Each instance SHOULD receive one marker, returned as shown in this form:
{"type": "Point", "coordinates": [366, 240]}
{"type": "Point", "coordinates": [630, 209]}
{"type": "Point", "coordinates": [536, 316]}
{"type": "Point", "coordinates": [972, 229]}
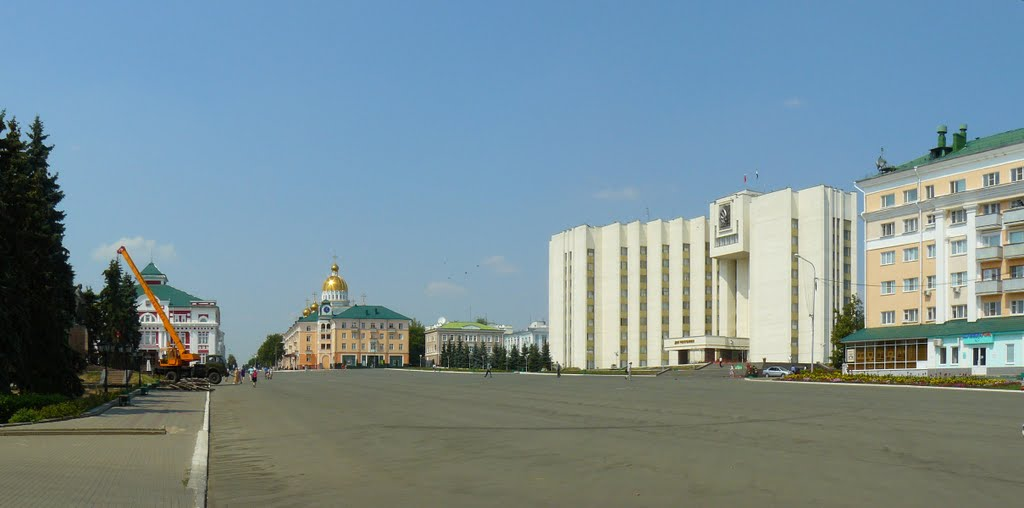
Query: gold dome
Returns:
{"type": "Point", "coordinates": [312, 308]}
{"type": "Point", "coordinates": [335, 282]}
{"type": "Point", "coordinates": [305, 312]}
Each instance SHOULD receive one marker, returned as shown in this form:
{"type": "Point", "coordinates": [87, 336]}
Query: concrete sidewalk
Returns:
{"type": "Point", "coordinates": [121, 468]}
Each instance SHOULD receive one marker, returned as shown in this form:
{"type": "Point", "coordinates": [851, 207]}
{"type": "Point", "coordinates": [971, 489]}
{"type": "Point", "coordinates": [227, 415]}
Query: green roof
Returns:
{"type": "Point", "coordinates": [151, 269]}
{"type": "Point", "coordinates": [175, 296]}
{"type": "Point", "coordinates": [949, 328]}
{"type": "Point", "coordinates": [369, 312]}
{"type": "Point", "coordinates": [468, 324]}
{"type": "Point", "coordinates": [972, 147]}
{"type": "Point", "coordinates": [313, 316]}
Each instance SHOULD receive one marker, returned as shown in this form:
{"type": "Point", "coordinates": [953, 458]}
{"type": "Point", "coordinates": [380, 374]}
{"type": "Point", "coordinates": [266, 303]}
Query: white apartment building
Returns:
{"type": "Point", "coordinates": [536, 333]}
{"type": "Point", "coordinates": [688, 291]}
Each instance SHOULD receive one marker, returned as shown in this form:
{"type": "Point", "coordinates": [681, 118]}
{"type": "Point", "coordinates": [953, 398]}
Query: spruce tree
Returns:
{"type": "Point", "coordinates": [545, 356]}
{"type": "Point", "coordinates": [499, 356]}
{"type": "Point", "coordinates": [120, 314]}
{"type": "Point", "coordinates": [535, 359]}
{"type": "Point", "coordinates": [513, 358]}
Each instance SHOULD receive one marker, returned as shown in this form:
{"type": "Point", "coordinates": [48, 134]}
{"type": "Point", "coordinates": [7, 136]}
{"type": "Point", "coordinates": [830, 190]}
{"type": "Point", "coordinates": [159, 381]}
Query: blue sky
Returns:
{"type": "Point", "coordinates": [436, 146]}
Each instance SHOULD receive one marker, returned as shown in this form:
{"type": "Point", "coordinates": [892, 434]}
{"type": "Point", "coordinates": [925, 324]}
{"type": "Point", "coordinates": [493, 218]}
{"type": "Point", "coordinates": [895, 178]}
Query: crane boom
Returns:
{"type": "Point", "coordinates": [178, 354]}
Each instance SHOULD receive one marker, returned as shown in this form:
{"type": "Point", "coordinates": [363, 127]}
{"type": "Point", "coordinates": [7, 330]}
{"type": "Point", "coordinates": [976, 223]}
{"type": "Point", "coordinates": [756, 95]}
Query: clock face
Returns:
{"type": "Point", "coordinates": [325, 309]}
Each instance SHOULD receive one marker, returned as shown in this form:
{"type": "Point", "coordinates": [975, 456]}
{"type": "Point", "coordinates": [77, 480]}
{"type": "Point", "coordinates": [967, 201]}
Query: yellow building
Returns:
{"type": "Point", "coordinates": [944, 260]}
{"type": "Point", "coordinates": [334, 333]}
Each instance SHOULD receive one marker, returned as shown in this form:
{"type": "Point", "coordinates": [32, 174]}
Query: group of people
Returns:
{"type": "Point", "coordinates": [253, 374]}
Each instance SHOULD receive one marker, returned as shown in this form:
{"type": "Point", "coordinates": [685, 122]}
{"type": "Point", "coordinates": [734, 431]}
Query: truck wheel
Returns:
{"type": "Point", "coordinates": [171, 376]}
{"type": "Point", "coordinates": [214, 378]}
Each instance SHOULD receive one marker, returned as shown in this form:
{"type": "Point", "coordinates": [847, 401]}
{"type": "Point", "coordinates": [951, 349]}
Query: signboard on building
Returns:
{"type": "Point", "coordinates": [851, 355]}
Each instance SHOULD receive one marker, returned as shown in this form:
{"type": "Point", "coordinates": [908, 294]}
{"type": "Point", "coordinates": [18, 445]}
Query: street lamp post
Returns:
{"type": "Point", "coordinates": [526, 367]}
{"type": "Point", "coordinates": [814, 299]}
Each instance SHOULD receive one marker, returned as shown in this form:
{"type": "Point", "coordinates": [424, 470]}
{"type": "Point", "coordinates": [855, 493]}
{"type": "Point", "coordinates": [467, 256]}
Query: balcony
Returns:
{"type": "Point", "coordinates": [987, 253]}
{"type": "Point", "coordinates": [1014, 215]}
{"type": "Point", "coordinates": [1013, 285]}
{"type": "Point", "coordinates": [1013, 250]}
{"type": "Point", "coordinates": [990, 221]}
{"type": "Point", "coordinates": [987, 287]}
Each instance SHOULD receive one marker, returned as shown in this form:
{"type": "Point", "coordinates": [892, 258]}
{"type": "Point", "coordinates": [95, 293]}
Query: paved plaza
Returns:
{"type": "Point", "coordinates": [406, 438]}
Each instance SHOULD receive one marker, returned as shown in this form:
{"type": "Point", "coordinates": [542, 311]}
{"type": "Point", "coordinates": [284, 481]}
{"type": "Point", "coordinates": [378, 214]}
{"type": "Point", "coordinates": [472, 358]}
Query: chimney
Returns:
{"type": "Point", "coordinates": [940, 149]}
{"type": "Point", "coordinates": [960, 138]}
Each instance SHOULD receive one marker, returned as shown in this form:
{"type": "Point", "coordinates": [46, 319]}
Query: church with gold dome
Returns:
{"type": "Point", "coordinates": [335, 333]}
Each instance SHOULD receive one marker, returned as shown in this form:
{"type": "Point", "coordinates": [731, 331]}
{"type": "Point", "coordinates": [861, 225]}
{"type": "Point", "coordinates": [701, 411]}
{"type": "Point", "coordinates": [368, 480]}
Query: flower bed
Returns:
{"type": "Point", "coordinates": [947, 381]}
{"type": "Point", "coordinates": [11, 404]}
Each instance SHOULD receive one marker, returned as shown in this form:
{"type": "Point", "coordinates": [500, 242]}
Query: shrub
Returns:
{"type": "Point", "coordinates": [11, 404]}
{"type": "Point", "coordinates": [65, 409]}
{"type": "Point", "coordinates": [949, 381]}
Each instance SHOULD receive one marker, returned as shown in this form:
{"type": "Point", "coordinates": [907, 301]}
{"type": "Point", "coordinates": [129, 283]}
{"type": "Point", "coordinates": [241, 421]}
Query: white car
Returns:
{"type": "Point", "coordinates": [775, 372]}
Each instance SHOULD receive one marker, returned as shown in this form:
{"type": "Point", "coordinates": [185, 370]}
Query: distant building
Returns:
{"type": "Point", "coordinates": [944, 260]}
{"type": "Point", "coordinates": [536, 333]}
{"type": "Point", "coordinates": [695, 290]}
{"type": "Point", "coordinates": [196, 320]}
{"type": "Point", "coordinates": [335, 332]}
{"type": "Point", "coordinates": [471, 334]}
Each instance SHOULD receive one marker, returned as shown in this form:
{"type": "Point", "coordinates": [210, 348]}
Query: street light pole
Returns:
{"type": "Point", "coordinates": [814, 299]}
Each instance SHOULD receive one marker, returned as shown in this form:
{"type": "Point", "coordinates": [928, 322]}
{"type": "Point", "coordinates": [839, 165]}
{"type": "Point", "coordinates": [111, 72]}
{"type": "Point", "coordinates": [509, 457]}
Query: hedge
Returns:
{"type": "Point", "coordinates": [11, 404]}
{"type": "Point", "coordinates": [65, 409]}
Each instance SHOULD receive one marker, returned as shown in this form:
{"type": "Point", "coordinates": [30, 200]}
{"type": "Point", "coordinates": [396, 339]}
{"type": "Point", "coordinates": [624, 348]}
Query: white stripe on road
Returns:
{"type": "Point", "coordinates": [197, 477]}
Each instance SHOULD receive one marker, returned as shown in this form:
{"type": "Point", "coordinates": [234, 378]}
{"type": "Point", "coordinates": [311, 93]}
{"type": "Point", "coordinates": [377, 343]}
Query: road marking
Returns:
{"type": "Point", "coordinates": [198, 475]}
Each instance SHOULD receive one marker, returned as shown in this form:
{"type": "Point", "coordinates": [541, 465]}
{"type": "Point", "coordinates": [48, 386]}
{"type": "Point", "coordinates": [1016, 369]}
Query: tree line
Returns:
{"type": "Point", "coordinates": [475, 356]}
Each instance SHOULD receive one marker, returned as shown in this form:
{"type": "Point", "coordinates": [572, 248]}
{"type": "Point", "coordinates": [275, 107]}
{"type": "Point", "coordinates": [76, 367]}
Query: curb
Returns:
{"type": "Point", "coordinates": [612, 376]}
{"type": "Point", "coordinates": [199, 474]}
{"type": "Point", "coordinates": [84, 432]}
{"type": "Point", "coordinates": [98, 410]}
{"type": "Point", "coordinates": [873, 385]}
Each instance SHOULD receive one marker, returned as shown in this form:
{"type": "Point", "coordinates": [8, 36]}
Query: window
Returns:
{"type": "Point", "coordinates": [1017, 271]}
{"type": "Point", "coordinates": [930, 250]}
{"type": "Point", "coordinates": [910, 196]}
{"type": "Point", "coordinates": [954, 356]}
{"type": "Point", "coordinates": [990, 274]}
{"type": "Point", "coordinates": [204, 338]}
{"type": "Point", "coordinates": [990, 308]}
{"type": "Point", "coordinates": [888, 200]}
{"type": "Point", "coordinates": [990, 240]}
{"type": "Point", "coordinates": [888, 229]}
{"type": "Point", "coordinates": [958, 312]}
{"type": "Point", "coordinates": [909, 225]}
{"type": "Point", "coordinates": [888, 317]}
{"type": "Point", "coordinates": [1017, 307]}
{"type": "Point", "coordinates": [888, 257]}
{"type": "Point", "coordinates": [1017, 174]}
{"type": "Point", "coordinates": [957, 247]}
{"type": "Point", "coordinates": [929, 220]}
{"type": "Point", "coordinates": [1010, 354]}
{"type": "Point", "coordinates": [888, 287]}
{"type": "Point", "coordinates": [1016, 237]}
{"type": "Point", "coordinates": [910, 254]}
{"type": "Point", "coordinates": [623, 251]}
{"type": "Point", "coordinates": [909, 315]}
{"type": "Point", "coordinates": [990, 179]}
{"type": "Point", "coordinates": [958, 217]}
{"type": "Point", "coordinates": [957, 186]}
{"type": "Point", "coordinates": [931, 314]}
{"type": "Point", "coordinates": [958, 279]}
{"type": "Point", "coordinates": [930, 282]}
{"type": "Point", "coordinates": [990, 208]}
{"type": "Point", "coordinates": [910, 284]}
{"type": "Point", "coordinates": [942, 355]}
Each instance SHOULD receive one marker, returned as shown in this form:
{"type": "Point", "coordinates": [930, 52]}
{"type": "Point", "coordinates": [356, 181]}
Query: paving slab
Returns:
{"type": "Point", "coordinates": [126, 469]}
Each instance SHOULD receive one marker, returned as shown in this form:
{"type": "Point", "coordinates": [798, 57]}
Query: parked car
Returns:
{"type": "Point", "coordinates": [775, 372]}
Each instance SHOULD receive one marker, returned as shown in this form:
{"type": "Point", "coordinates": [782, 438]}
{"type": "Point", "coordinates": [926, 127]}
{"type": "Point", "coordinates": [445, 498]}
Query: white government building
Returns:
{"type": "Point", "coordinates": [694, 290]}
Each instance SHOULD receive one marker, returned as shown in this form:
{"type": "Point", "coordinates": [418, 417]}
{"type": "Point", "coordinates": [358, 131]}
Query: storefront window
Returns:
{"type": "Point", "coordinates": [903, 354]}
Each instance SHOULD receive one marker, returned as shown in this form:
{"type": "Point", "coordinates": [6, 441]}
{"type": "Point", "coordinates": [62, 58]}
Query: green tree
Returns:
{"type": "Point", "coordinates": [232, 363]}
{"type": "Point", "coordinates": [499, 356]}
{"type": "Point", "coordinates": [271, 351]}
{"type": "Point", "coordinates": [846, 322]}
{"type": "Point", "coordinates": [37, 299]}
{"type": "Point", "coordinates": [92, 320]}
{"type": "Point", "coordinates": [119, 313]}
{"type": "Point", "coordinates": [417, 341]}
{"type": "Point", "coordinates": [514, 359]}
{"type": "Point", "coordinates": [461, 355]}
{"type": "Point", "coordinates": [534, 358]}
{"type": "Point", "coordinates": [545, 356]}
{"type": "Point", "coordinates": [482, 320]}
{"type": "Point", "coordinates": [480, 355]}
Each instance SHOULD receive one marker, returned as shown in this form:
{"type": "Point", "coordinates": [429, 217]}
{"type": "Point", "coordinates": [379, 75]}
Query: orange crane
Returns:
{"type": "Point", "coordinates": [177, 361]}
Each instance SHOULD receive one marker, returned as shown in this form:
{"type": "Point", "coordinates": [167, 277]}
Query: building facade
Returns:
{"type": "Point", "coordinates": [471, 334]}
{"type": "Point", "coordinates": [944, 260]}
{"type": "Point", "coordinates": [689, 291]}
{"type": "Point", "coordinates": [335, 333]}
{"type": "Point", "coordinates": [196, 320]}
{"type": "Point", "coordinates": [535, 334]}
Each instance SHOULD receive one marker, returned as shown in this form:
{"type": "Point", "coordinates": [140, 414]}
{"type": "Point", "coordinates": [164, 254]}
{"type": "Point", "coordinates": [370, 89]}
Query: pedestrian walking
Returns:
{"type": "Point", "coordinates": [488, 373]}
{"type": "Point", "coordinates": [558, 369]}
{"type": "Point", "coordinates": [629, 371]}
{"type": "Point", "coordinates": [254, 375]}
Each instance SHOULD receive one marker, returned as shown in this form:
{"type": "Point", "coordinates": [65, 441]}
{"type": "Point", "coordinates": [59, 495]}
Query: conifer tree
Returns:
{"type": "Point", "coordinates": [499, 356]}
{"type": "Point", "coordinates": [118, 310]}
{"type": "Point", "coordinates": [545, 356]}
{"type": "Point", "coordinates": [513, 358]}
{"type": "Point", "coordinates": [535, 360]}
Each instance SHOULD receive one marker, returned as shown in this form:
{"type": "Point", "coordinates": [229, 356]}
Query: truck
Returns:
{"type": "Point", "coordinates": [176, 361]}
